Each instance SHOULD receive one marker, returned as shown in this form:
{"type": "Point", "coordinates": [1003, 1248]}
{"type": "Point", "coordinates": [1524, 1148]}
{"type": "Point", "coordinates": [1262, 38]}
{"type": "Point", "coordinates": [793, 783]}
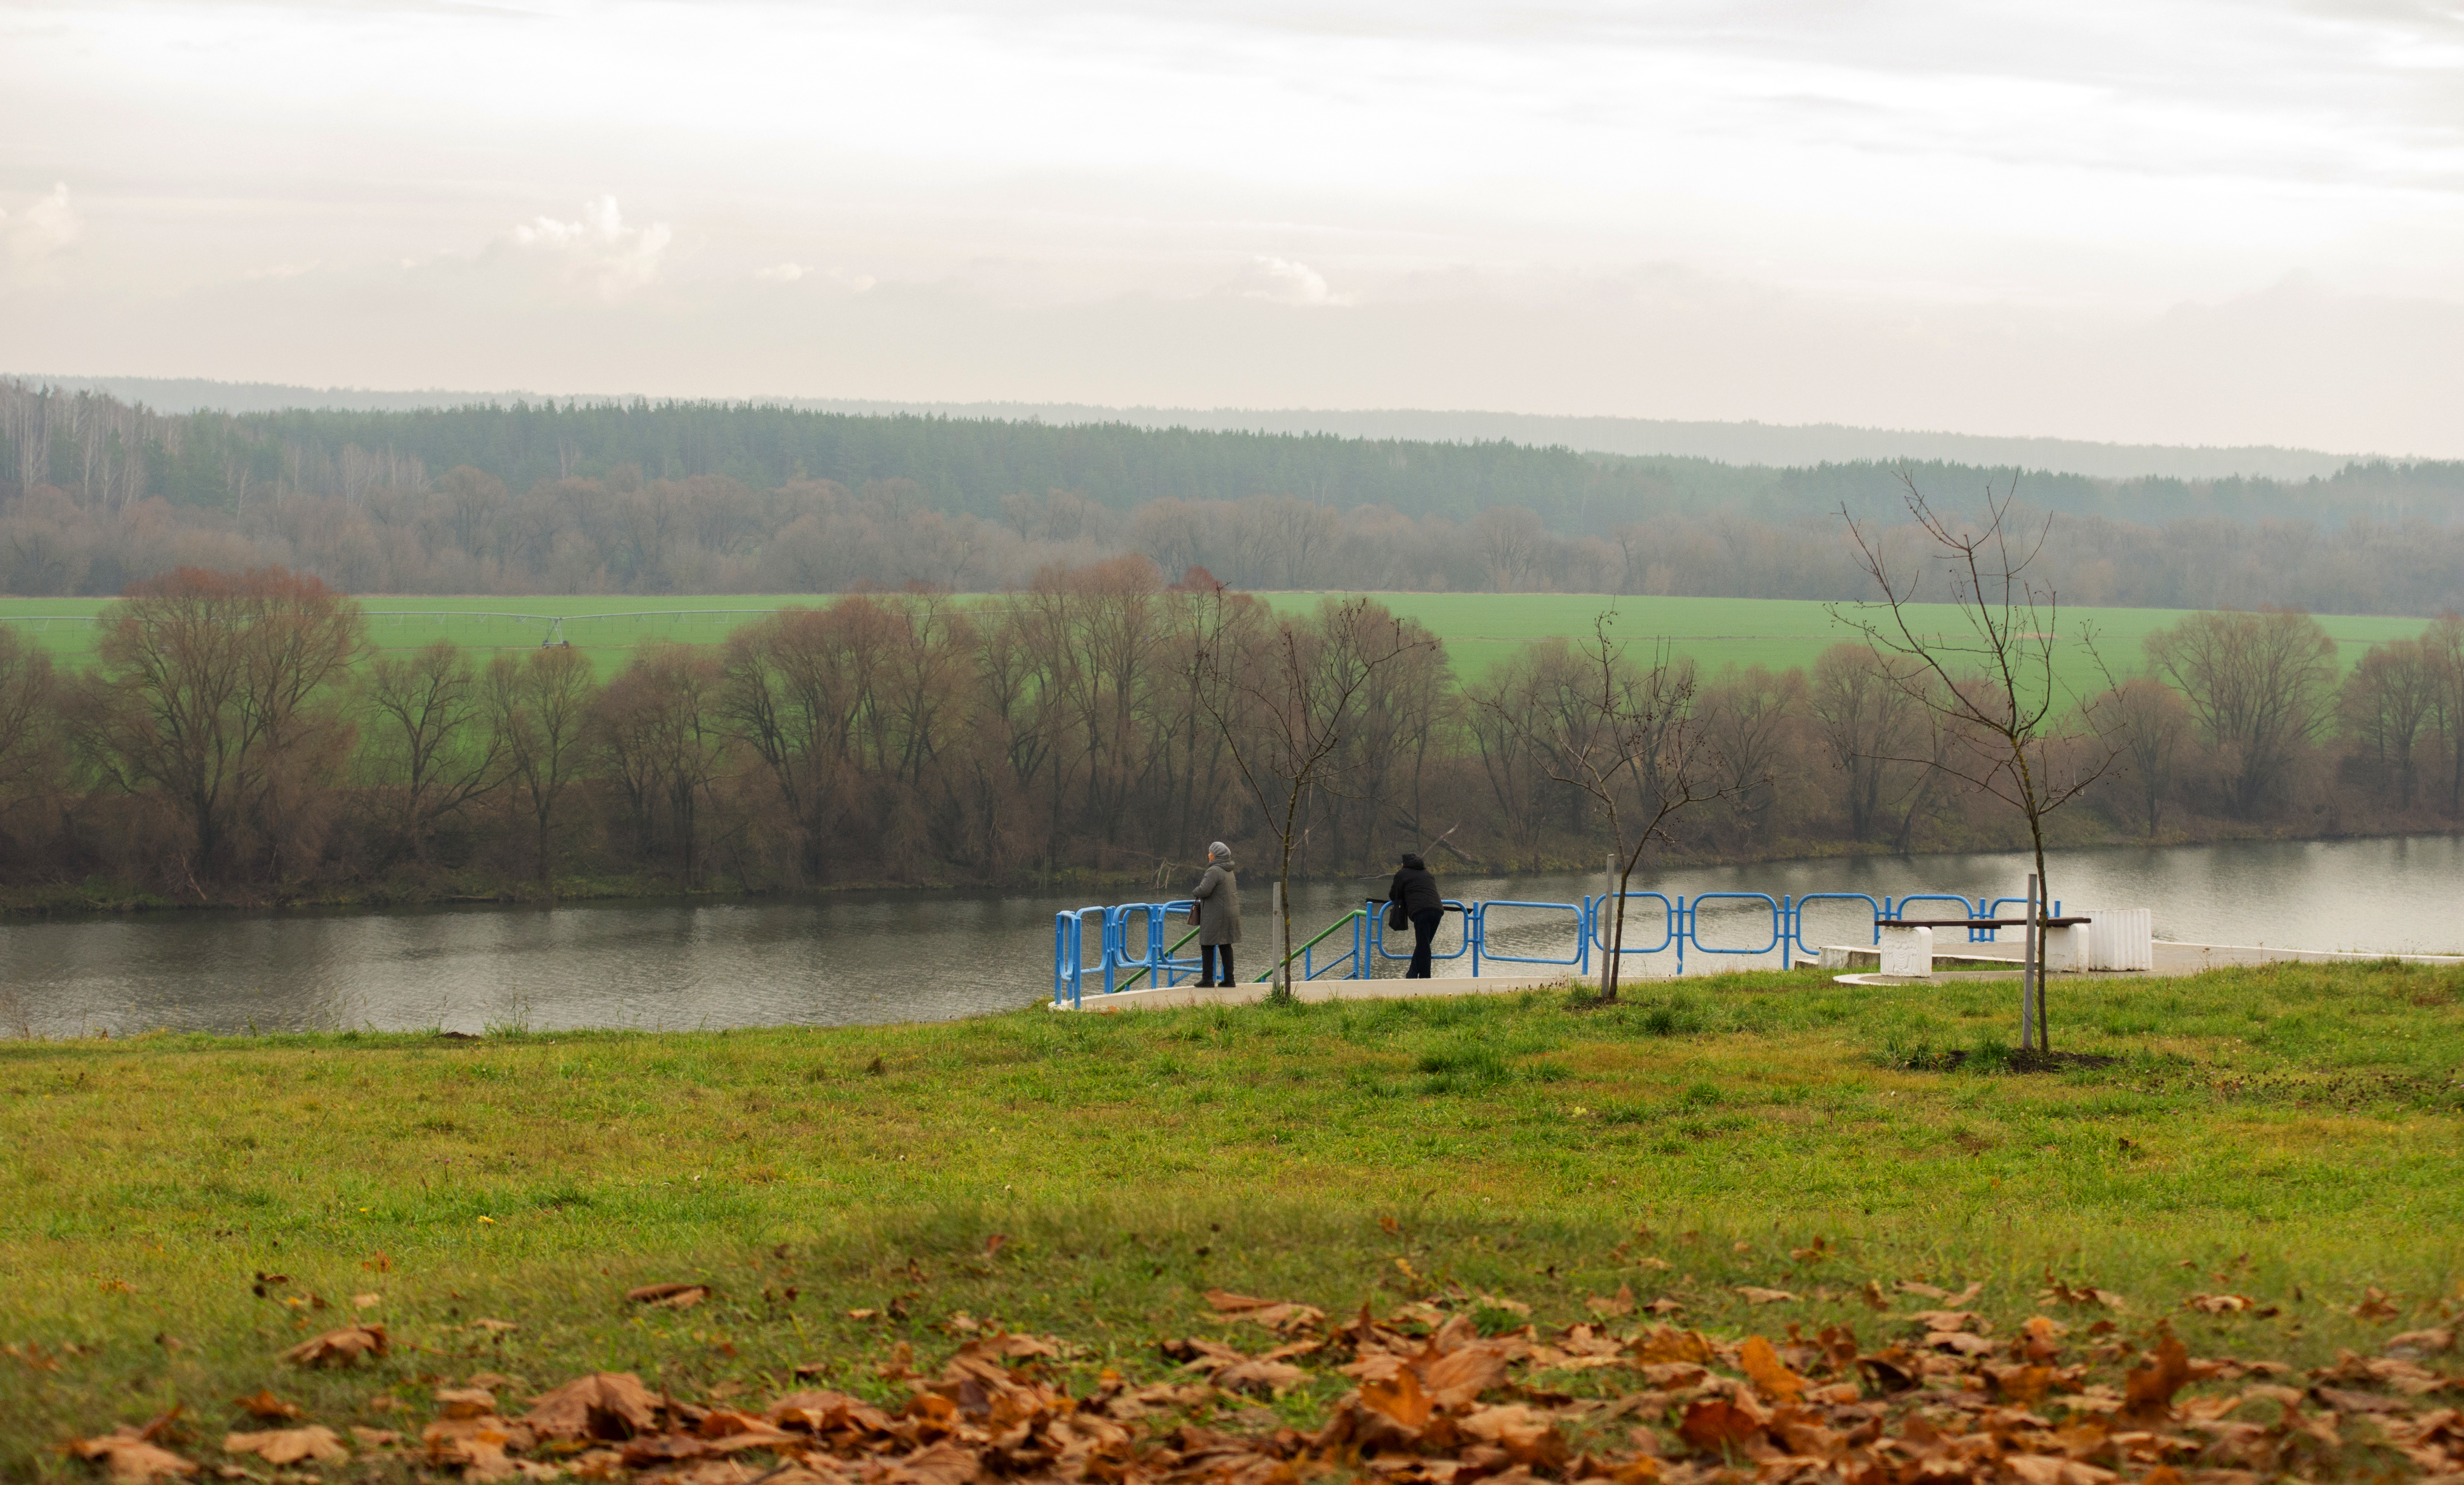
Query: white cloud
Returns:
{"type": "Point", "coordinates": [781, 272]}
{"type": "Point", "coordinates": [599, 251]}
{"type": "Point", "coordinates": [1278, 281]}
{"type": "Point", "coordinates": [49, 226]}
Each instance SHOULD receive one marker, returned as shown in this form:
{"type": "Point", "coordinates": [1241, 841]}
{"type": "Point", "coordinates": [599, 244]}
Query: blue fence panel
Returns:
{"type": "Point", "coordinates": [1603, 920]}
{"type": "Point", "coordinates": [1694, 922]}
{"type": "Point", "coordinates": [1580, 957]}
{"type": "Point", "coordinates": [1373, 913]}
{"type": "Point", "coordinates": [1873, 934]}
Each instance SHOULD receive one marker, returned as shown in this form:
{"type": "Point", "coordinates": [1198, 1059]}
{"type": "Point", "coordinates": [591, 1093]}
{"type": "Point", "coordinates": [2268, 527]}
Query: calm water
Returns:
{"type": "Point", "coordinates": [932, 956]}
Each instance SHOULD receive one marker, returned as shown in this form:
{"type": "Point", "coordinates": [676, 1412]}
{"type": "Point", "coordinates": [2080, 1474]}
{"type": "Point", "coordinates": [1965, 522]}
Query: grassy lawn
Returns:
{"type": "Point", "coordinates": [1481, 629]}
{"type": "Point", "coordinates": [2288, 1134]}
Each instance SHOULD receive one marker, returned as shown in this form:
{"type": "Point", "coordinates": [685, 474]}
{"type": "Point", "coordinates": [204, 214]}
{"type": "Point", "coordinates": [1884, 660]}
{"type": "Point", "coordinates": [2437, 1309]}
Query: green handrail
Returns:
{"type": "Point", "coordinates": [1168, 953]}
{"type": "Point", "coordinates": [1306, 947]}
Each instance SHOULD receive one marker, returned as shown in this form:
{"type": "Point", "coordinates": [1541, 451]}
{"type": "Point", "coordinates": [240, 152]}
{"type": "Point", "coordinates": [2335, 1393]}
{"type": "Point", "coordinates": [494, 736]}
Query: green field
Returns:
{"type": "Point", "coordinates": [1479, 629]}
{"type": "Point", "coordinates": [1755, 1149]}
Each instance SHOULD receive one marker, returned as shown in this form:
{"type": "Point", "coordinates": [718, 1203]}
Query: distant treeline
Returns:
{"type": "Point", "coordinates": [235, 741]}
{"type": "Point", "coordinates": [681, 498]}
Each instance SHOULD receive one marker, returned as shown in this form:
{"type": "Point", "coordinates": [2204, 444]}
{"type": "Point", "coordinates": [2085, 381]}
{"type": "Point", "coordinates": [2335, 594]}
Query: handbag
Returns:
{"type": "Point", "coordinates": [1193, 915]}
{"type": "Point", "coordinates": [1396, 918]}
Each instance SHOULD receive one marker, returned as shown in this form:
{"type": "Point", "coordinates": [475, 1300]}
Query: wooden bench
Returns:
{"type": "Point", "coordinates": [1975, 922]}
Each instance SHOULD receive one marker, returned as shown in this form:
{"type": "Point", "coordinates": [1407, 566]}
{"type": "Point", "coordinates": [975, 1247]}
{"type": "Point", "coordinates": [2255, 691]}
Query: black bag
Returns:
{"type": "Point", "coordinates": [1193, 915]}
{"type": "Point", "coordinates": [1396, 918]}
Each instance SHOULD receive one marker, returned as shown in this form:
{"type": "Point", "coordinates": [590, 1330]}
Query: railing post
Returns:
{"type": "Point", "coordinates": [1471, 932]}
{"type": "Point", "coordinates": [2028, 986]}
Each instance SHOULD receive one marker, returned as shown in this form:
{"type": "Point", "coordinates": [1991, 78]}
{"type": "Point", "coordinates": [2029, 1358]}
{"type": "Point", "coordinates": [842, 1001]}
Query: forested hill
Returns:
{"type": "Point", "coordinates": [85, 441]}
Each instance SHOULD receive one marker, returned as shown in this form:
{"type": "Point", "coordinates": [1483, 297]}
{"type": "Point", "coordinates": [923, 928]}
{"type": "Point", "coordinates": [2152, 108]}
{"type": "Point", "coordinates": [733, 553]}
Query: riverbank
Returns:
{"type": "Point", "coordinates": [1755, 1149]}
{"type": "Point", "coordinates": [104, 896]}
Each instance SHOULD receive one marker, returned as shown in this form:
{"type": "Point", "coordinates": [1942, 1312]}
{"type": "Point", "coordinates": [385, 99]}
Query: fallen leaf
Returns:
{"type": "Point", "coordinates": [2227, 1305]}
{"type": "Point", "coordinates": [267, 1408]}
{"type": "Point", "coordinates": [340, 1347]}
{"type": "Point", "coordinates": [290, 1445]}
{"type": "Point", "coordinates": [132, 1459]}
{"type": "Point", "coordinates": [994, 1244]}
{"type": "Point", "coordinates": [1619, 1304]}
{"type": "Point", "coordinates": [1664, 1306]}
{"type": "Point", "coordinates": [1754, 1296]}
{"type": "Point", "coordinates": [2149, 1388]}
{"type": "Point", "coordinates": [1916, 1287]}
{"type": "Point", "coordinates": [605, 1405]}
{"type": "Point", "coordinates": [1649, 1262]}
{"type": "Point", "coordinates": [1715, 1424]}
{"type": "Point", "coordinates": [1400, 1398]}
{"type": "Point", "coordinates": [366, 1301]}
{"type": "Point", "coordinates": [1814, 1253]}
{"type": "Point", "coordinates": [669, 1297]}
{"type": "Point", "coordinates": [2375, 1306]}
{"type": "Point", "coordinates": [1873, 1297]}
{"type": "Point", "coordinates": [2415, 1344]}
{"type": "Point", "coordinates": [1770, 1375]}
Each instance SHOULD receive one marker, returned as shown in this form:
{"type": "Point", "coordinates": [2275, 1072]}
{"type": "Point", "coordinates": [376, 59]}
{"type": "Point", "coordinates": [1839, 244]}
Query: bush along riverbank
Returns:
{"type": "Point", "coordinates": [1727, 1224]}
{"type": "Point", "coordinates": [1082, 731]}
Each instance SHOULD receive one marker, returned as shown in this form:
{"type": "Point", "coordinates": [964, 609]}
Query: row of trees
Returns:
{"type": "Point", "coordinates": [466, 533]}
{"type": "Point", "coordinates": [236, 738]}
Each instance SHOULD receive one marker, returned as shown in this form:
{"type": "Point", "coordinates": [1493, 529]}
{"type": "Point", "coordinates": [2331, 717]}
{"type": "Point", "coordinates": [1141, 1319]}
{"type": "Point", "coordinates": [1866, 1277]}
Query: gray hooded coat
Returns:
{"type": "Point", "coordinates": [1218, 904]}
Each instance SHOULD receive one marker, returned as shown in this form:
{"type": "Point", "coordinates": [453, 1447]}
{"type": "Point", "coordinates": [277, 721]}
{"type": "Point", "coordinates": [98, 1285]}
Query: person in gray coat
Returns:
{"type": "Point", "coordinates": [1218, 895]}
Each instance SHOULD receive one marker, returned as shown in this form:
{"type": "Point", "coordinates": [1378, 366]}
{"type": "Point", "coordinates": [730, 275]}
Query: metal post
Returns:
{"type": "Point", "coordinates": [2027, 988]}
{"type": "Point", "coordinates": [1284, 947]}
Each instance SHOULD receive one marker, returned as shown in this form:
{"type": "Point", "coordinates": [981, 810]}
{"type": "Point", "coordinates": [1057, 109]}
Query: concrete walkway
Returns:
{"type": "Point", "coordinates": [1249, 994]}
{"type": "Point", "coordinates": [1961, 960]}
{"type": "Point", "coordinates": [2185, 959]}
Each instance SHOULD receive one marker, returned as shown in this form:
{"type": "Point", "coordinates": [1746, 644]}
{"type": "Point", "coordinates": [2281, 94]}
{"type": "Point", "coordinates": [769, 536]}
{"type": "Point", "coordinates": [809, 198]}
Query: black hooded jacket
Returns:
{"type": "Point", "coordinates": [1415, 887]}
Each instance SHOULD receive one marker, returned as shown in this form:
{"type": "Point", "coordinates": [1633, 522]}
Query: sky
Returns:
{"type": "Point", "coordinates": [2166, 221]}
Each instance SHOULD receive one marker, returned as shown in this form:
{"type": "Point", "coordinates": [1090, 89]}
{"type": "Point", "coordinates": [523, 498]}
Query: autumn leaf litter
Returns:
{"type": "Point", "coordinates": [1930, 1395]}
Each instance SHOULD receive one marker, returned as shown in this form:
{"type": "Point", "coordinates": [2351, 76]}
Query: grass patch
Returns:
{"type": "Point", "coordinates": [2288, 1131]}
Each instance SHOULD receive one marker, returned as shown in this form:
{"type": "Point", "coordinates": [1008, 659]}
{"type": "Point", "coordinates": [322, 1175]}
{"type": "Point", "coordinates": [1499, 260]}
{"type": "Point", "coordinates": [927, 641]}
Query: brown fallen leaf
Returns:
{"type": "Point", "coordinates": [2375, 1306]}
{"type": "Point", "coordinates": [1619, 1304]}
{"type": "Point", "coordinates": [2414, 1345]}
{"type": "Point", "coordinates": [132, 1459]}
{"type": "Point", "coordinates": [1813, 1252]}
{"type": "Point", "coordinates": [2227, 1305]}
{"type": "Point", "coordinates": [266, 1407]}
{"type": "Point", "coordinates": [669, 1297]}
{"type": "Point", "coordinates": [342, 1347]}
{"type": "Point", "coordinates": [1770, 1375]}
{"type": "Point", "coordinates": [1952, 1320]}
{"type": "Point", "coordinates": [290, 1445]}
{"type": "Point", "coordinates": [375, 1438]}
{"type": "Point", "coordinates": [1664, 1306]}
{"type": "Point", "coordinates": [605, 1405]}
{"type": "Point", "coordinates": [2148, 1389]}
{"type": "Point", "coordinates": [366, 1301]}
{"type": "Point", "coordinates": [1873, 1298]}
{"type": "Point", "coordinates": [994, 1244]}
{"type": "Point", "coordinates": [1647, 1261]}
{"type": "Point", "coordinates": [1754, 1296]}
{"type": "Point", "coordinates": [1715, 1425]}
{"type": "Point", "coordinates": [1400, 1397]}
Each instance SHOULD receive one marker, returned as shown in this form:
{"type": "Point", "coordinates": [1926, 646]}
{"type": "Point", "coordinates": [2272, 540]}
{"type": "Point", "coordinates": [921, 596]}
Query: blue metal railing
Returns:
{"type": "Point", "coordinates": [1680, 921]}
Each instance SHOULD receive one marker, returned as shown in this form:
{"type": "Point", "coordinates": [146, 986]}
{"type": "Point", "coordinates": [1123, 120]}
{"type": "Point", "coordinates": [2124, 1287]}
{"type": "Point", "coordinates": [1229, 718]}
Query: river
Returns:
{"type": "Point", "coordinates": [927, 956]}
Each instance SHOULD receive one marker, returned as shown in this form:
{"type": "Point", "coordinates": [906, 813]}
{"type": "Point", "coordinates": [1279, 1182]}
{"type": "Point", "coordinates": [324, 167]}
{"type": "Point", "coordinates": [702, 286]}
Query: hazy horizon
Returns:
{"type": "Point", "coordinates": [1741, 442]}
{"type": "Point", "coordinates": [2173, 223]}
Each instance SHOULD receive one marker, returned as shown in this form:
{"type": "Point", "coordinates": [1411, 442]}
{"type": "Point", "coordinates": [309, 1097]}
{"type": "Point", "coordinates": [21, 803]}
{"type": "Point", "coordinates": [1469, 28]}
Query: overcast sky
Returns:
{"type": "Point", "coordinates": [2148, 220]}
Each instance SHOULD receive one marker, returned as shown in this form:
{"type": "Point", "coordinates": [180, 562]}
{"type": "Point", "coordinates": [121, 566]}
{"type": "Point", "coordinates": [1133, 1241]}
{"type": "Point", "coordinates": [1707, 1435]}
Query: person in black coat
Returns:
{"type": "Point", "coordinates": [1415, 888]}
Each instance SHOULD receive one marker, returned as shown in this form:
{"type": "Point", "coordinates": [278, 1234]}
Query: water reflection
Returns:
{"type": "Point", "coordinates": [872, 957]}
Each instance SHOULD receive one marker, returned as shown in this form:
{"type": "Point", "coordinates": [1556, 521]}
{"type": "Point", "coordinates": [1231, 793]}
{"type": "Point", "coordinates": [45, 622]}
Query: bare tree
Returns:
{"type": "Point", "coordinates": [1991, 679]}
{"type": "Point", "coordinates": [539, 710]}
{"type": "Point", "coordinates": [1285, 694]}
{"type": "Point", "coordinates": [2260, 685]}
{"type": "Point", "coordinates": [216, 689]}
{"type": "Point", "coordinates": [427, 740]}
{"type": "Point", "coordinates": [1632, 746]}
{"type": "Point", "coordinates": [2153, 722]}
